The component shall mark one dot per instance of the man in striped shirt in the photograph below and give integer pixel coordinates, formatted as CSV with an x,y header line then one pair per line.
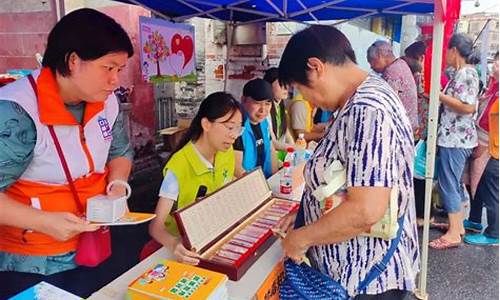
x,y
372,138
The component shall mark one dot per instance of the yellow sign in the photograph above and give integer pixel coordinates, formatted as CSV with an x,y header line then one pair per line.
x,y
269,290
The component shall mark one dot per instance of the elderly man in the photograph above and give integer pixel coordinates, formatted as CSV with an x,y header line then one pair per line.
x,y
397,73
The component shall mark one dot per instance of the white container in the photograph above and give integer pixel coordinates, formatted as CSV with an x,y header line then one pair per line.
x,y
101,209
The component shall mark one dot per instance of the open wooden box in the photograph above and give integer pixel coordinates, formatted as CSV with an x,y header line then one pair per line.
x,y
238,216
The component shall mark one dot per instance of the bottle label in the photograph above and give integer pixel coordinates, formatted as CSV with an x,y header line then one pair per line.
x,y
286,186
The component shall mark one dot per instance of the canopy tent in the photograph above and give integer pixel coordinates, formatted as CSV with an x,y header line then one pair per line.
x,y
251,11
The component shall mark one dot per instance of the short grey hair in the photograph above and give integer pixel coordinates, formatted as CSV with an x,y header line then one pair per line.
x,y
379,48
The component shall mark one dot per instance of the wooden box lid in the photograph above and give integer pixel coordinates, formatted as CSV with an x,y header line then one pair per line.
x,y
203,223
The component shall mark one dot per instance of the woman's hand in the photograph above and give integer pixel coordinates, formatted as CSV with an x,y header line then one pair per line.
x,y
320,127
183,255
117,190
286,223
62,226
295,245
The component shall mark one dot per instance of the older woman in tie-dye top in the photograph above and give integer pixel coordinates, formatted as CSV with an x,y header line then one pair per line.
x,y
372,138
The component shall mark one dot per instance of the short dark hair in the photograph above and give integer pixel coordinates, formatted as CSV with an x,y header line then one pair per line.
x,y
258,89
415,65
271,75
474,58
463,43
326,43
215,106
416,50
88,33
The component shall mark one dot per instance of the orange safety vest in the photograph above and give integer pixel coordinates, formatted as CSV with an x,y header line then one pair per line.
x,y
43,184
493,115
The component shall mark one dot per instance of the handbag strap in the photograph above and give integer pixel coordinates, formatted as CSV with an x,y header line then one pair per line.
x,y
60,153
377,269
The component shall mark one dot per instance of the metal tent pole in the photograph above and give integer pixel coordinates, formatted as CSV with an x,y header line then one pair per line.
x,y
60,10
229,38
437,50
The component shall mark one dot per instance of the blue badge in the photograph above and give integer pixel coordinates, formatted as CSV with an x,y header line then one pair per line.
x,y
105,128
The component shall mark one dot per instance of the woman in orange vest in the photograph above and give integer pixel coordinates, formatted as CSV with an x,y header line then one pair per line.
x,y
68,103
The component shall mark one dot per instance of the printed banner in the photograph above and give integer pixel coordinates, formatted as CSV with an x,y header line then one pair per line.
x,y
167,51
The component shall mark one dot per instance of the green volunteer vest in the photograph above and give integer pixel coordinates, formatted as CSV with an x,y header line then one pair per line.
x,y
191,173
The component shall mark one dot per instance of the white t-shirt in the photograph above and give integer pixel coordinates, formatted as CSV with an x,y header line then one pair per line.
x,y
170,186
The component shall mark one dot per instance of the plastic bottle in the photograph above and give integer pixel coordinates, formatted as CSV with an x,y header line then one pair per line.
x,y
290,156
286,179
300,148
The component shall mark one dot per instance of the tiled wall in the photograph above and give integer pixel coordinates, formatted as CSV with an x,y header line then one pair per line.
x,y
24,27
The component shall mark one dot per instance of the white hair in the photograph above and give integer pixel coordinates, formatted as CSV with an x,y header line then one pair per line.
x,y
379,48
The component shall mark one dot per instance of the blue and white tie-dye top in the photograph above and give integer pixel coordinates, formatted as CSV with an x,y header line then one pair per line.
x,y
373,139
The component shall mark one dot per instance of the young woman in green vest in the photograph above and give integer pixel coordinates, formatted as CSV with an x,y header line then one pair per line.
x,y
278,117
203,162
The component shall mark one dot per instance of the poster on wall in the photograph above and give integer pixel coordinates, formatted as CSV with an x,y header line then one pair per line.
x,y
167,51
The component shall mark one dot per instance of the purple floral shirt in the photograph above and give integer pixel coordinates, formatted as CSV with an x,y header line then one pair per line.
x,y
459,130
422,108
398,75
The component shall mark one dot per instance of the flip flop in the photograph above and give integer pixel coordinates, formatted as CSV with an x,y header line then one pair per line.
x,y
441,244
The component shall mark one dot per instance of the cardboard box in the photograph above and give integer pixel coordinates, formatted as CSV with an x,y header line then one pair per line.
x,y
172,136
183,123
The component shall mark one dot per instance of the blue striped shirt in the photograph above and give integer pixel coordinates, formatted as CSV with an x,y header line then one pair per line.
x,y
373,139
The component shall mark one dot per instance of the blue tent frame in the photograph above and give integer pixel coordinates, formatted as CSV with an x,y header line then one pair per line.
x,y
252,11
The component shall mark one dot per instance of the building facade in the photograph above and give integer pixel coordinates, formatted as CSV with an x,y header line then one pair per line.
x,y
474,24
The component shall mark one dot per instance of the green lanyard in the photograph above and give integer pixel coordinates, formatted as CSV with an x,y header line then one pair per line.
x,y
278,120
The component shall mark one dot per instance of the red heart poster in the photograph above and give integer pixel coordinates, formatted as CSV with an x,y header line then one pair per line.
x,y
167,51
184,45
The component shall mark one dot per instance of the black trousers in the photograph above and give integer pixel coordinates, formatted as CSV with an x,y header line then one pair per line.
x,y
419,189
487,195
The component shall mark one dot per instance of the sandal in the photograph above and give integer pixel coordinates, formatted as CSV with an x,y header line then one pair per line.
x,y
441,244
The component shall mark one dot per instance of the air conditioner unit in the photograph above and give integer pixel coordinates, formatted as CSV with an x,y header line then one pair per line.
x,y
249,34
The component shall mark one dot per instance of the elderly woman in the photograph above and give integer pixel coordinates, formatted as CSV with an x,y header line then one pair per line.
x,y
397,74
414,57
457,136
373,140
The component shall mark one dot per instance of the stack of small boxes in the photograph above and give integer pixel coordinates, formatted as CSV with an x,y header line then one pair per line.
x,y
101,209
244,242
